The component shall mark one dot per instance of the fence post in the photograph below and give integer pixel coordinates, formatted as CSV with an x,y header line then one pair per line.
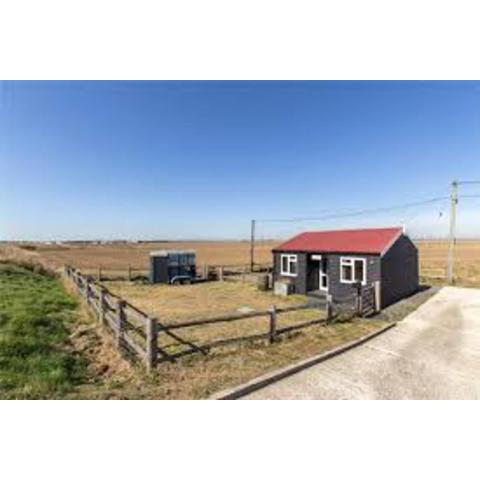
x,y
88,292
152,343
378,303
328,307
78,282
359,299
120,322
129,275
101,306
272,312
220,274
99,274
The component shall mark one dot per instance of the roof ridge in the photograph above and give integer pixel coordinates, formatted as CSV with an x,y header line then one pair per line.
x,y
373,240
351,229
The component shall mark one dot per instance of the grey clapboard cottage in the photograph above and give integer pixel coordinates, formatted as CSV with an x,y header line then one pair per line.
x,y
335,261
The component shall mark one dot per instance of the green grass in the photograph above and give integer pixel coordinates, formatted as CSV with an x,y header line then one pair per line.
x,y
36,315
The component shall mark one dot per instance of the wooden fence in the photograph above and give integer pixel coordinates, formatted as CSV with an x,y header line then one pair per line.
x,y
133,330
204,272
364,301
367,301
137,333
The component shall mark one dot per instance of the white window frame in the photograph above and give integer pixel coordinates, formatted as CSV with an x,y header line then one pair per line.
x,y
351,262
290,258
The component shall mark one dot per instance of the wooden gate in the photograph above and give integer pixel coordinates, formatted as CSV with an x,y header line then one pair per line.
x,y
367,301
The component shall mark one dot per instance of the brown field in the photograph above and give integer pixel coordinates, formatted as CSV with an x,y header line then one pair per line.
x,y
433,261
119,256
433,256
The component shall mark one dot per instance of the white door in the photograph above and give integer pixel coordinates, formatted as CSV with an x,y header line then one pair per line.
x,y
323,281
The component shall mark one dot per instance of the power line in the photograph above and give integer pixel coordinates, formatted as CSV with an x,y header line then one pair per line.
x,y
469,196
353,213
454,198
332,216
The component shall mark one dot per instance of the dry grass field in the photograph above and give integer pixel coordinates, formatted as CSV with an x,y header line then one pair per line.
x,y
185,302
433,261
119,256
175,304
433,256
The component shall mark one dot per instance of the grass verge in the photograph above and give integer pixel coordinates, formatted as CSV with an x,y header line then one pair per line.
x,y
36,314
197,376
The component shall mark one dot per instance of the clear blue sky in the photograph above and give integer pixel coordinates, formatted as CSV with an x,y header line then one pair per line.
x,y
200,159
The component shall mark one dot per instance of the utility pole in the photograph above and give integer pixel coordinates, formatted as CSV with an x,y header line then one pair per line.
x,y
252,246
453,219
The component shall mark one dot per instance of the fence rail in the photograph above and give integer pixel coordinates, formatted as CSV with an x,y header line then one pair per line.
x,y
204,271
217,272
129,325
138,333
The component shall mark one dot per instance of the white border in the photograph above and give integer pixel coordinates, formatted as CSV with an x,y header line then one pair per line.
x,y
214,39
344,260
46,440
290,257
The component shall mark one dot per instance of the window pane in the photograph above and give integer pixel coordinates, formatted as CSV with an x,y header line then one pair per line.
x,y
359,271
284,264
293,265
347,272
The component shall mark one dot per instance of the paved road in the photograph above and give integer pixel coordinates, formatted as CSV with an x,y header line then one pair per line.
x,y
434,353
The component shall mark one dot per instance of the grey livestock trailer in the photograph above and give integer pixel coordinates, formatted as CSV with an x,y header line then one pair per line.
x,y
172,266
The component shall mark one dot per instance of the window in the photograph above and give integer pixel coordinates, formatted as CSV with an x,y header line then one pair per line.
x,y
288,265
353,270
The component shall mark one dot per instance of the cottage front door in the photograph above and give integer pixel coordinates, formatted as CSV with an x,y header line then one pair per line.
x,y
323,281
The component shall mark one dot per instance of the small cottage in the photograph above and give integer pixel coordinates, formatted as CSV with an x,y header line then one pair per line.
x,y
335,262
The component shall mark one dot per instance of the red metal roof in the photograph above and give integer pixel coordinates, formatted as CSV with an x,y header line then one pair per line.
x,y
367,240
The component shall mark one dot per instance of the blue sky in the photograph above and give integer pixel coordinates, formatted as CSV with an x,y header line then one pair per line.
x,y
200,159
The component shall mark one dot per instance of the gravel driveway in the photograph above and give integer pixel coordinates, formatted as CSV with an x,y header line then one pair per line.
x,y
434,353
